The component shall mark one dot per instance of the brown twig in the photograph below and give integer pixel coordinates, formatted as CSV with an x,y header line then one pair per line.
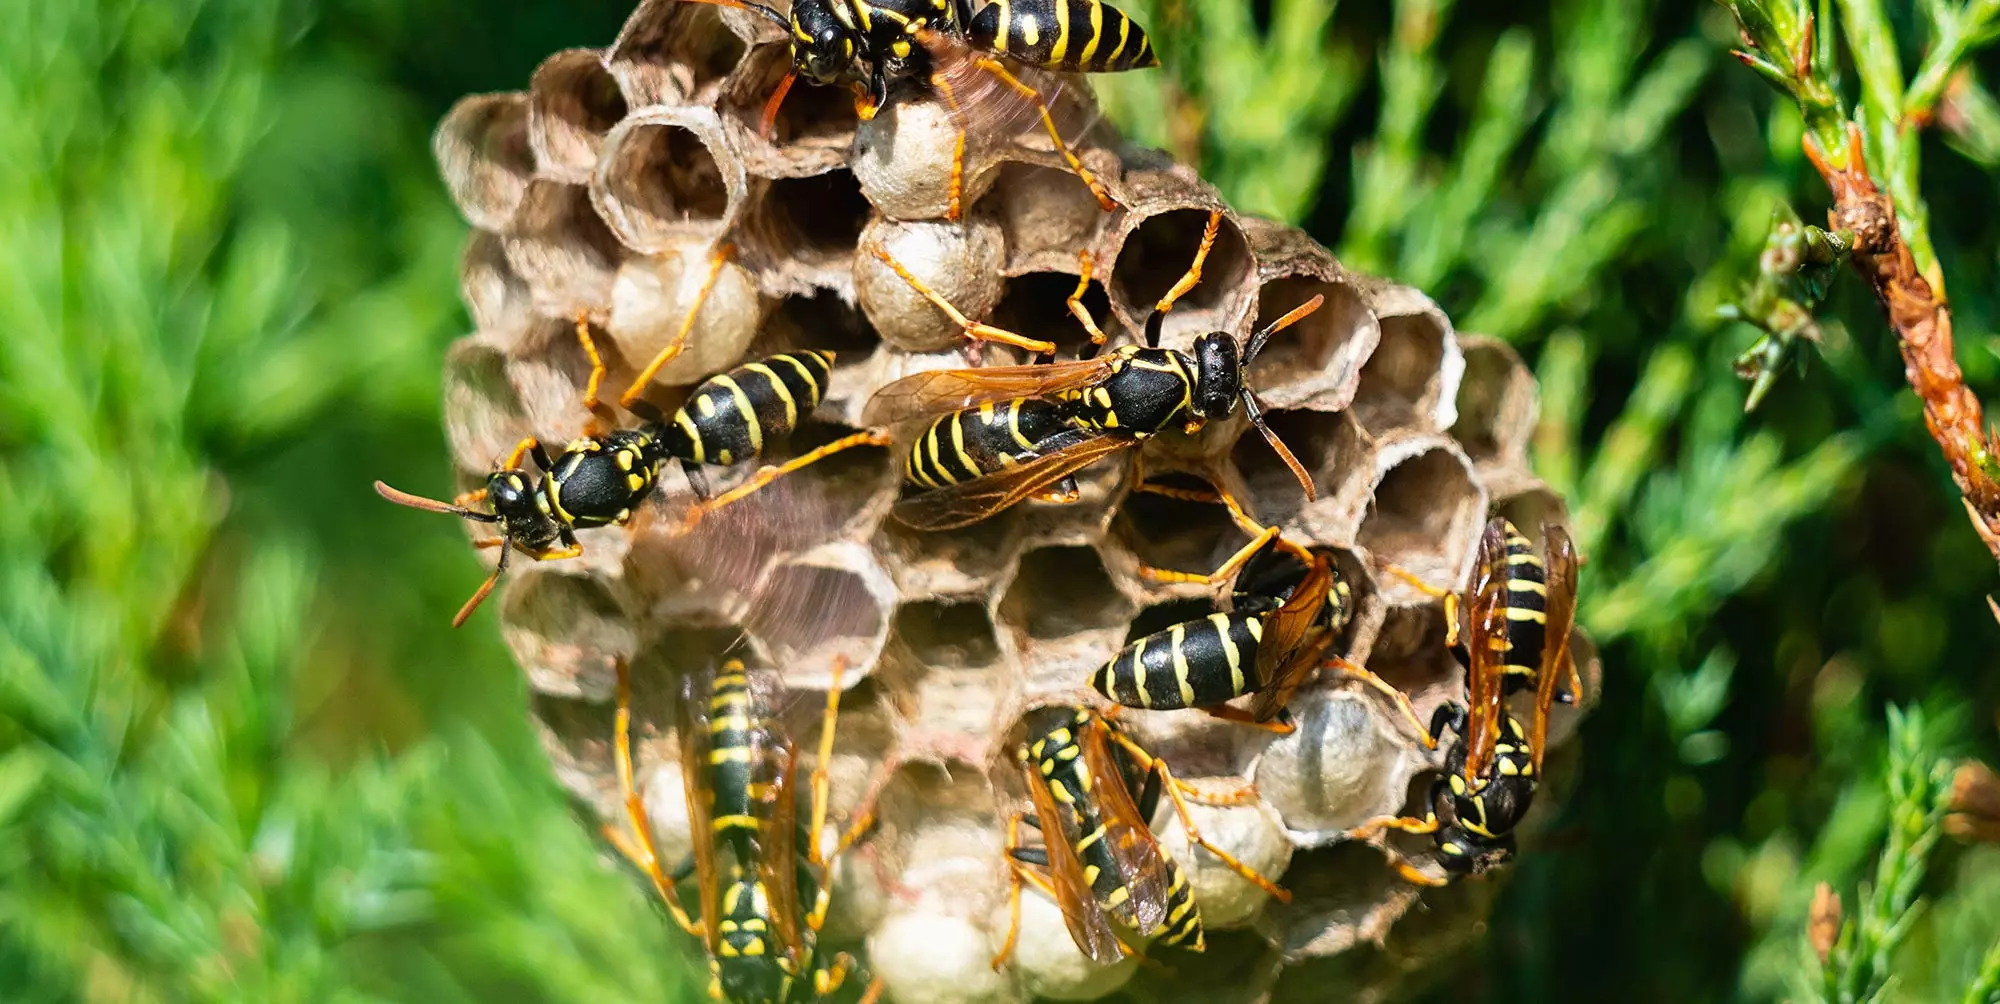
x,y
1922,322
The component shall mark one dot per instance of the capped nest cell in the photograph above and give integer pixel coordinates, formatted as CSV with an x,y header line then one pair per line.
x,y
631,182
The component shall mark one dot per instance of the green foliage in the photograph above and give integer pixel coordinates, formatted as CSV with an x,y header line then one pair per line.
x,y
242,757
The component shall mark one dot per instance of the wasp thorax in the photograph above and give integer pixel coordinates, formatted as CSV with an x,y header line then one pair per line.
x,y
822,48
1218,375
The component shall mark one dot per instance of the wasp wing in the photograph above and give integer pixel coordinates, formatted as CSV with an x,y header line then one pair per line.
x,y
1087,923
1294,636
972,500
1128,836
935,392
988,107
778,865
1486,645
694,749
1561,620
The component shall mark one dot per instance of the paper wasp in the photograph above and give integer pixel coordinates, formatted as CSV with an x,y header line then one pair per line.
x,y
1006,434
1494,764
962,49
1094,791
761,882
601,478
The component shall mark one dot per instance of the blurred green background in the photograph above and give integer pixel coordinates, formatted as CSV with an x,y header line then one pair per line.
x,y
244,758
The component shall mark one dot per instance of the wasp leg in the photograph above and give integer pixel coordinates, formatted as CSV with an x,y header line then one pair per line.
x,y
874,991
1075,304
1174,787
1000,71
768,473
716,259
602,417
1222,571
973,329
644,853
697,481
1192,276
1231,713
954,205
1397,697
767,123
1015,867
1405,824
1409,871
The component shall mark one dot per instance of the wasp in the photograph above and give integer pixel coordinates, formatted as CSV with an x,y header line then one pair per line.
x,y
958,46
1094,791
1006,434
761,881
1494,763
601,478
1289,606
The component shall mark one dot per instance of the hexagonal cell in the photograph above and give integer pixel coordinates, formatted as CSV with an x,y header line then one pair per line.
x,y
1343,898
484,416
1156,254
1412,379
1174,534
1334,451
801,233
651,297
668,173
497,299
560,247
962,562
483,153
948,634
1350,759
572,102
1048,217
672,51
1036,304
959,262
1496,403
831,603
814,128
1317,362
1426,514
1065,613
903,159
565,628
577,735
1527,503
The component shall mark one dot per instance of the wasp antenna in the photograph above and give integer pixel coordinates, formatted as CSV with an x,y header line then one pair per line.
x,y
485,588
767,123
431,505
770,13
1255,412
1297,314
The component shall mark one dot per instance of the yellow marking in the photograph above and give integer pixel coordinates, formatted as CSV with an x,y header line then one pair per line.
x,y
986,413
736,821
784,393
1001,40
686,423
1031,30
811,378
1236,657
937,462
1457,785
1451,848
913,467
1527,586
901,47
865,12
1180,656
705,405
1014,426
1508,768
1061,792
624,460
1090,874
624,516
1091,838
1179,911
1524,559
716,725
743,408
725,458
1061,46
1117,897
1124,30
733,754
753,947
1048,768
1067,753
958,446
1096,33
799,32
1139,670
1532,616
634,482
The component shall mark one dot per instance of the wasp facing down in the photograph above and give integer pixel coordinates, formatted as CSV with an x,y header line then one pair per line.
x,y
1289,607
957,47
1494,764
602,478
1010,433
1099,860
762,884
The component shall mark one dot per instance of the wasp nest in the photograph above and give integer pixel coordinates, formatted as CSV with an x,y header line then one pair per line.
x,y
608,186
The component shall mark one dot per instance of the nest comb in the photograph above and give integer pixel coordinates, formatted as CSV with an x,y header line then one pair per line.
x,y
604,187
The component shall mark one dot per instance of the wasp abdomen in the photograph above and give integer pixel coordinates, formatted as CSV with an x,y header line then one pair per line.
x,y
598,482
1073,36
978,441
731,416
1197,664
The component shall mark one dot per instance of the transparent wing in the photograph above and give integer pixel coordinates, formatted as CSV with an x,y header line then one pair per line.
x,y
1561,620
1088,926
989,108
693,740
1486,646
1128,836
937,392
779,865
1294,636
970,501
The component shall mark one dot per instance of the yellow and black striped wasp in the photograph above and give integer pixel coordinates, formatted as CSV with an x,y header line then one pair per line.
x,y
973,55
1006,434
1517,616
602,477
1094,791
1289,606
762,884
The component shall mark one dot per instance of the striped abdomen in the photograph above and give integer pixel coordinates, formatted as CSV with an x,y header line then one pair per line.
x,y
978,441
1073,36
732,416
1527,603
735,791
1197,664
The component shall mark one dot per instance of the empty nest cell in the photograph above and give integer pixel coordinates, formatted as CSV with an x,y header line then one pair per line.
x,y
1177,535
561,248
948,634
483,153
1037,305
1157,253
1400,384
1315,363
1496,403
828,606
802,232
672,51
813,128
484,417
566,629
1426,515
1335,452
572,102
667,173
1062,591
1048,216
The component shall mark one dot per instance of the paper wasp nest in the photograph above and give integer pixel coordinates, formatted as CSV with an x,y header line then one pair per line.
x,y
604,187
